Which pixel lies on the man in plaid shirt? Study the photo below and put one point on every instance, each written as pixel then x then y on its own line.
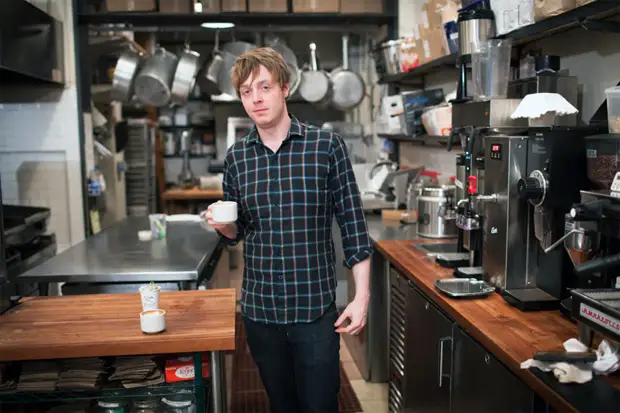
pixel 289 179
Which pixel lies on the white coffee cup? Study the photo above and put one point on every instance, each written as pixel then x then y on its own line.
pixel 153 321
pixel 224 212
pixel 149 294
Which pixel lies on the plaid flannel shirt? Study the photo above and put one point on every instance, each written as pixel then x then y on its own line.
pixel 286 204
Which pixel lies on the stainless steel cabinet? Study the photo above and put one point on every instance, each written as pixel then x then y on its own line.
pixel 398 394
pixel 482 384
pixel 436 367
pixel 429 340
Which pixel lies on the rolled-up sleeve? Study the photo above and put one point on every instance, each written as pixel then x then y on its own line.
pixel 231 193
pixel 348 205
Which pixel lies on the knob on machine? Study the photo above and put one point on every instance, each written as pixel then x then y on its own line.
pixel 533 188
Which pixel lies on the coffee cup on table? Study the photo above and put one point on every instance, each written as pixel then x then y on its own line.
pixel 153 321
pixel 224 212
pixel 149 294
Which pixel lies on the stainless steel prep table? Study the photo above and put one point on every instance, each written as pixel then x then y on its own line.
pixel 116 256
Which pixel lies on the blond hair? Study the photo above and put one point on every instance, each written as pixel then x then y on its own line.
pixel 249 64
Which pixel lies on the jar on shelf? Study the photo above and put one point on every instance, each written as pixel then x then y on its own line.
pixel 178 404
pixel 110 406
pixel 147 405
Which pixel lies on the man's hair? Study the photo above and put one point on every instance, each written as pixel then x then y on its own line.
pixel 249 63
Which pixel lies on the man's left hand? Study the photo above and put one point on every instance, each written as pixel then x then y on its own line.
pixel 356 311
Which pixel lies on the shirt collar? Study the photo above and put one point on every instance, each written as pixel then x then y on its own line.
pixel 296 129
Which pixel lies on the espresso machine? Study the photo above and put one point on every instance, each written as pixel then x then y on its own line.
pixel 532 182
pixel 594 240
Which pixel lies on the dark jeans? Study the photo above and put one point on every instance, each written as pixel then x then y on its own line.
pixel 298 363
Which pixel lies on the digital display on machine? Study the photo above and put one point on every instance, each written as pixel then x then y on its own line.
pixel 496 151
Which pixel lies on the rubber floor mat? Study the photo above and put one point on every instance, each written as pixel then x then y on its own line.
pixel 248 394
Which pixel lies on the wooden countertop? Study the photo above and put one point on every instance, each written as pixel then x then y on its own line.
pixel 511 335
pixel 180 194
pixel 100 325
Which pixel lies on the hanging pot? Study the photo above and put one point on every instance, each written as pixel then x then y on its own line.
pixel 291 62
pixel 348 86
pixel 208 78
pixel 153 83
pixel 127 67
pixel 185 76
pixel 316 86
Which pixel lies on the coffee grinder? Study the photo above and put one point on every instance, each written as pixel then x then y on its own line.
pixel 526 223
pixel 476 25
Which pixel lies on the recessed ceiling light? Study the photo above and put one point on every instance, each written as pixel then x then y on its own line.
pixel 218 25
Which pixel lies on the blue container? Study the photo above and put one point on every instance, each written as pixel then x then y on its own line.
pixel 452 36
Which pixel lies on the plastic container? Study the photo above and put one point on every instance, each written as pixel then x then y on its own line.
pixel 613 109
pixel 603 159
pixel 490 66
pixel 158 225
pixel 437 121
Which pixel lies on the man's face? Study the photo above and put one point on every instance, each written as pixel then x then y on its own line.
pixel 263 98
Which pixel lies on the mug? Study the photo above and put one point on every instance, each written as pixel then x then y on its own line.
pixel 224 212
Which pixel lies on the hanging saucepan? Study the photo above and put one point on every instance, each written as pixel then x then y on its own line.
pixel 348 87
pixel 316 86
pixel 127 67
pixel 185 76
pixel 291 62
pixel 153 83
pixel 208 78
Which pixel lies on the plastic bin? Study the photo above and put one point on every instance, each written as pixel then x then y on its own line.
pixel 613 109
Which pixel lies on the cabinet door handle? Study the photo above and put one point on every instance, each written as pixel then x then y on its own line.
pixel 441 342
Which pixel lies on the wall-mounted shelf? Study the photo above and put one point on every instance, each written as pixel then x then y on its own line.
pixel 414 76
pixel 598 9
pixel 586 16
pixel 422 139
pixel 148 21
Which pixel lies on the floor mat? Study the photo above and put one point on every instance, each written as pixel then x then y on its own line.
pixel 248 394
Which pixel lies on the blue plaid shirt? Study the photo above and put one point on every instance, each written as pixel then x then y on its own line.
pixel 287 201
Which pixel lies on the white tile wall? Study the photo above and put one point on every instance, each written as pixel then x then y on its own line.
pixel 40 161
pixel 40 146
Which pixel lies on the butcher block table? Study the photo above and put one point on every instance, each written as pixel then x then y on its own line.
pixel 108 325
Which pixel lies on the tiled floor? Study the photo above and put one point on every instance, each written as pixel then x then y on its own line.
pixel 372 396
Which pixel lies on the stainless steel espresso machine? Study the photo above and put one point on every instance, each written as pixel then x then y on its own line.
pixel 532 182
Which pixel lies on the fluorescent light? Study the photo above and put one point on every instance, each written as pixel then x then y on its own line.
pixel 218 25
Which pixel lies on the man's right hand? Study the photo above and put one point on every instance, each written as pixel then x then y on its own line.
pixel 228 230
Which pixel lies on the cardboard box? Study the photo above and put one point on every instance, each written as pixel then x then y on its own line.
pixel 410 54
pixel 544 9
pixel 271 6
pixel 130 5
pixel 512 14
pixel 176 6
pixel 435 13
pixel 434 44
pixel 182 368
pixel 234 5
pixel 210 6
pixel 361 6
pixel 316 6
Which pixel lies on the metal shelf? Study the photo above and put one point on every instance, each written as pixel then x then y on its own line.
pixel 413 76
pixel 586 16
pixel 243 21
pixel 422 139
pixel 598 9
pixel 115 393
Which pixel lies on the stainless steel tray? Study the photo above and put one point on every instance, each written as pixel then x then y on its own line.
pixel 464 287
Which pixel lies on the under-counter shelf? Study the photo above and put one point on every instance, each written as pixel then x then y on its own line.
pixel 187 388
